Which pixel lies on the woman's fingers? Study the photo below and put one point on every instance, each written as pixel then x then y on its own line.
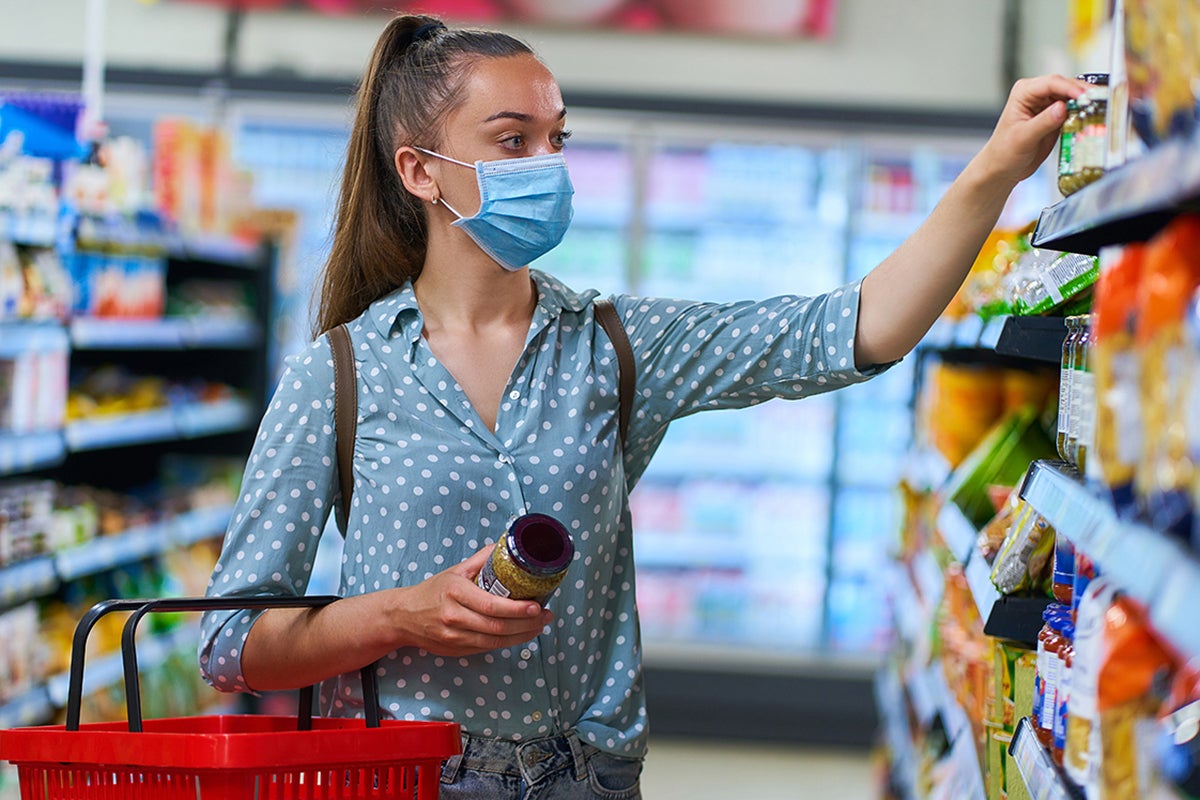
pixel 469 568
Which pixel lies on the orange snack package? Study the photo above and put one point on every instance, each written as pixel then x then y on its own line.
pixel 1171 273
pixel 1118 441
pixel 1132 662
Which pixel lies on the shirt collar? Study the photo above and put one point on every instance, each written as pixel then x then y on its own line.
pixel 398 315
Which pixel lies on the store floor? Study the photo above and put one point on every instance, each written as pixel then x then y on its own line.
pixel 688 769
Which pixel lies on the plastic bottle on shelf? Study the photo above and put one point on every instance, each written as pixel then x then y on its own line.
pixel 1083 396
pixel 1046 682
pixel 1078 378
pixel 1066 378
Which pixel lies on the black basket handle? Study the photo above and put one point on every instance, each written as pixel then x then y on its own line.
pixel 140 608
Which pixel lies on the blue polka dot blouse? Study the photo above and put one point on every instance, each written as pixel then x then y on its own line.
pixel 432 485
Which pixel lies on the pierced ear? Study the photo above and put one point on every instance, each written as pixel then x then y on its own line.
pixel 411 169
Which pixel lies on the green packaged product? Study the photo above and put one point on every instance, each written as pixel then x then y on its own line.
pixel 1000 459
pixel 1043 290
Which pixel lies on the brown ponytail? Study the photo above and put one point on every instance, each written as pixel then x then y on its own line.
pixel 411 82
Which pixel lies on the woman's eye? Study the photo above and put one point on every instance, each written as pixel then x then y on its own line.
pixel 514 142
pixel 561 138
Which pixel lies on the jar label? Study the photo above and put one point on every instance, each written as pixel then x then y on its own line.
pixel 489 582
pixel 1065 148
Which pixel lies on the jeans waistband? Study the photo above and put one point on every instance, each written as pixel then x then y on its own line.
pixel 531 760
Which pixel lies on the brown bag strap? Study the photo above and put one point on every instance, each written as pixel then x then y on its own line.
pixel 345 413
pixel 610 320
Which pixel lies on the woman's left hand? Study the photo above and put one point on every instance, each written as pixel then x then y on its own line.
pixel 1028 127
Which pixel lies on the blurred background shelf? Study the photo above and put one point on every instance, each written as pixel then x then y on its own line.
pixel 33 707
pixel 108 671
pixel 106 552
pixel 26 580
pixel 89 333
pixel 27 452
pixel 186 421
pixel 219 250
pixel 121 430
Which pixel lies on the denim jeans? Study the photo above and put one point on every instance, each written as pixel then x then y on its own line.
pixel 556 768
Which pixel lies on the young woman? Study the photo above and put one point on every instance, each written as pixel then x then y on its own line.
pixel 487 390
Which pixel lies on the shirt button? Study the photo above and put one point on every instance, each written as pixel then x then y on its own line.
pixel 505 458
pixel 514 395
pixel 526 654
pixel 536 716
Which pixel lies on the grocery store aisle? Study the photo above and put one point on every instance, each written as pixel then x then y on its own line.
pixel 678 769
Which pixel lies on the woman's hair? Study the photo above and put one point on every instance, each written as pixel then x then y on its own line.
pixel 413 80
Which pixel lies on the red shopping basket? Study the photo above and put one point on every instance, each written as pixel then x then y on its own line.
pixel 231 757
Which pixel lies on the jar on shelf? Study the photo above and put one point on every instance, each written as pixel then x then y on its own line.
pixel 1083 141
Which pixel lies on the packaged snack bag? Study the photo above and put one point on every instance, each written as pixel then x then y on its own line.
pixel 1079 755
pixel 1045 288
pixel 1164 474
pixel 1118 440
pixel 1024 560
pixel 1131 665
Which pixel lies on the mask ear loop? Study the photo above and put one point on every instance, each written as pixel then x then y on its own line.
pixel 442 200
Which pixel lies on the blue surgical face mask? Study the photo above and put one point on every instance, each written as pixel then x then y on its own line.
pixel 524 208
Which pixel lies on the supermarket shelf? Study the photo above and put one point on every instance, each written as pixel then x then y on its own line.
pixel 199 525
pixel 38 577
pixel 31 708
pixel 979 578
pixel 89 333
pixel 32 230
pixel 18 337
pixel 26 580
pixel 220 333
pixel 1151 567
pixel 889 699
pixel 119 430
pixel 964 778
pixel 107 671
pixel 911 616
pixel 207 419
pixel 186 421
pixel 107 552
pixel 1017 619
pixel 1131 203
pixel 957 532
pixel 1043 779
pixel 30 451
pixel 1035 338
pixel 216 250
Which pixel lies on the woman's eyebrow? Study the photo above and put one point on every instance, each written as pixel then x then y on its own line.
pixel 519 116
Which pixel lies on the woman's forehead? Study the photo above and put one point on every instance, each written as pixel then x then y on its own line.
pixel 510 87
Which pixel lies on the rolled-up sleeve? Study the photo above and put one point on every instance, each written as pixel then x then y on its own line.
pixel 288 488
